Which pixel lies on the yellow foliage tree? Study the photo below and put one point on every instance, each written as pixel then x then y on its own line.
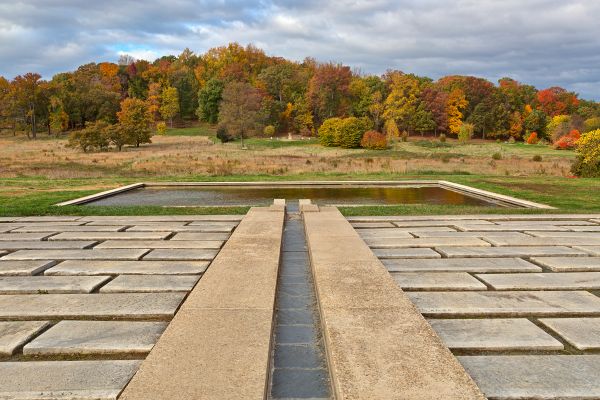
pixel 456 103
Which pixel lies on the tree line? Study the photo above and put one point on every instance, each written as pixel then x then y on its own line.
pixel 248 92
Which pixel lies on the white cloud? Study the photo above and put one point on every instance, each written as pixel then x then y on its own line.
pixel 542 42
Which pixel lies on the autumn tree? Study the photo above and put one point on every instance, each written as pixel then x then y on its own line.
pixel 401 104
pixel 135 120
pixel 556 101
pixel 209 98
pixel 169 107
pixel 454 106
pixel 27 89
pixel 436 102
pixel 328 91
pixel 241 110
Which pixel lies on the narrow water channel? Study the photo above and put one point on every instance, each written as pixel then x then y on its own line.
pixel 298 364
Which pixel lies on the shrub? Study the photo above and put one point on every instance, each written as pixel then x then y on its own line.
pixel 351 132
pixel 533 138
pixel 223 135
pixel 91 138
pixel 465 133
pixel 511 140
pixel 558 126
pixel 443 138
pixel 161 128
pixel 569 141
pixel 591 124
pixel 587 164
pixel 537 158
pixel 269 130
pixel 328 132
pixel 497 156
pixel 374 140
pixel 404 136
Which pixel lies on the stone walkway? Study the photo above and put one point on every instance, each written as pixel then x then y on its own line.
pixel 516 298
pixel 84 299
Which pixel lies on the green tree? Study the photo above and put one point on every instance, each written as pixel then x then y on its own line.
pixel 135 119
pixel 169 107
pixel 92 138
pixel 241 110
pixel 536 121
pixel 423 120
pixel 209 98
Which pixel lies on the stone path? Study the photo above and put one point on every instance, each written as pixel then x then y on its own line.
pixel 102 288
pixel 517 298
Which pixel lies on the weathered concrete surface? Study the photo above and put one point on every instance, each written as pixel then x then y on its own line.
pixel 70 306
pixel 493 334
pixel 180 254
pixel 582 333
pixel 50 284
pixel 438 234
pixel 218 344
pixel 200 236
pixel 569 264
pixel 14 334
pixel 21 268
pixel 462 265
pixel 160 244
pixel 68 228
pixel 406 253
pixel 520 303
pixel 370 225
pixel 437 281
pixel 5 237
pixel 84 267
pixel 379 346
pixel 544 241
pixel 593 250
pixel 46 245
pixel 384 233
pixel 150 283
pixel 110 235
pixel 507 228
pixel 100 254
pixel 65 380
pixel 526 251
pixel 386 243
pixel 545 377
pixel 543 281
pixel 97 337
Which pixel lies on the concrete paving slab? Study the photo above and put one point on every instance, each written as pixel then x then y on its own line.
pixel 7 219
pixel 97 338
pixel 590 228
pixel 100 254
pixel 508 228
pixel 593 250
pixel 5 228
pixel 200 236
pixel 462 265
pixel 49 218
pixel 417 253
pixel 565 234
pixel 15 237
pixel 23 268
pixel 78 306
pixel 151 283
pixel 541 377
pixel 488 217
pixel 387 243
pixel 374 336
pixel 550 222
pixel 65 380
pixel 3 252
pixel 500 334
pixel 509 251
pixel 73 228
pixel 437 281
pixel 543 281
pixel 406 224
pixel 519 303
pixel 371 225
pixel 50 284
pixel 14 334
pixel 49 224
pixel 569 264
pixel 544 241
pixel 73 267
pixel 160 244
pixel 384 233
pixel 581 333
pixel 181 254
pixel 164 218
pixel 110 236
pixel 46 245
pixel 150 226
pixel 436 234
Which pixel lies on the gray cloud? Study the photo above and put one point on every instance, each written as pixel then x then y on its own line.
pixel 542 42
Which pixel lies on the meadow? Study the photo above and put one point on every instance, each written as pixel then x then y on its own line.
pixel 35 174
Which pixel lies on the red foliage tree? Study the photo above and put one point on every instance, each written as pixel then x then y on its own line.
pixel 556 101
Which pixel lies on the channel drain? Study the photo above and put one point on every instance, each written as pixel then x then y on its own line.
pixel 298 364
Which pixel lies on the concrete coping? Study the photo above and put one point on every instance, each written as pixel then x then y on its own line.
pixel 218 344
pixel 378 344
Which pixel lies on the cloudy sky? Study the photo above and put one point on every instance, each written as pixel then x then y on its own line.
pixel 541 42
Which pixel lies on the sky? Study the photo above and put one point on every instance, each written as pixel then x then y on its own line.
pixel 540 42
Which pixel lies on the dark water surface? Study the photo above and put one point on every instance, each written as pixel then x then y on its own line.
pixel 245 195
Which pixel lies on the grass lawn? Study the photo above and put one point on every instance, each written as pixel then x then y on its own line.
pixel 34 175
